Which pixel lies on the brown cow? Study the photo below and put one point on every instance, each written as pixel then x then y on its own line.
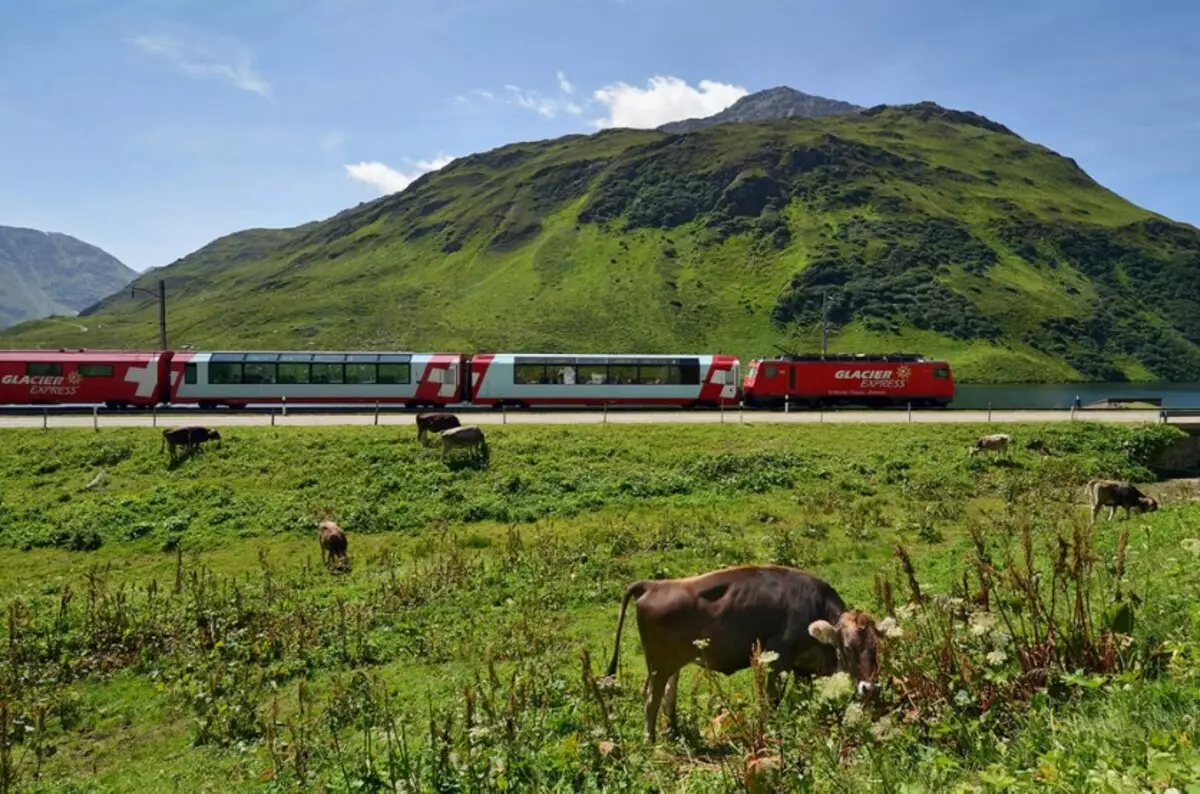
pixel 435 422
pixel 1113 494
pixel 190 437
pixel 469 436
pixel 997 442
pixel 716 618
pixel 333 542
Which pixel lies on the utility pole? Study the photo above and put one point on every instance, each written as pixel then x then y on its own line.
pixel 824 336
pixel 162 309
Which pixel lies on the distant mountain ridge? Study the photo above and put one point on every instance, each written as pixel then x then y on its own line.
pixel 780 102
pixel 46 273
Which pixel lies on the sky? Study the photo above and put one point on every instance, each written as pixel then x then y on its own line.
pixel 151 127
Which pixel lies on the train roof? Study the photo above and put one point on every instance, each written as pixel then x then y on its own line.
pixel 42 355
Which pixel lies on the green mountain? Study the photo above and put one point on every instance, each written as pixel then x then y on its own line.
pixel 929 229
pixel 45 273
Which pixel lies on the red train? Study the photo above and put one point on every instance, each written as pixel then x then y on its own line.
pixel 238 378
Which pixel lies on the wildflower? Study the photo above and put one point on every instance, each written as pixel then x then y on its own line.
pixel 767 657
pixel 982 623
pixel 834 686
pixel 1001 638
pixel 890 627
pixel 997 658
pixel 1191 544
pixel 906 612
pixel 962 698
pixel 854 716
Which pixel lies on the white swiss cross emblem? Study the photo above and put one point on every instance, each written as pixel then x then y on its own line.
pixel 145 377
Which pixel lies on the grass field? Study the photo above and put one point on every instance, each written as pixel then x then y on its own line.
pixel 170 628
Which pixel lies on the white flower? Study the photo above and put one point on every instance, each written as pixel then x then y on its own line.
pixel 766 658
pixel 982 623
pixel 907 612
pixel 834 686
pixel 1001 638
pixel 854 716
pixel 997 658
pixel 1191 544
pixel 890 627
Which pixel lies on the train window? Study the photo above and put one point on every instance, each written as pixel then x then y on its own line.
pixel 295 358
pixel 43 369
pixel 655 374
pixel 530 373
pixel 224 373
pixel 227 358
pixel 562 373
pixel 327 373
pixel 770 371
pixel 292 372
pixel 362 358
pixel 360 373
pixel 689 372
pixel 395 373
pixel 255 372
pixel 189 373
pixel 623 374
pixel 262 358
pixel 592 374
pixel 941 372
pixel 95 370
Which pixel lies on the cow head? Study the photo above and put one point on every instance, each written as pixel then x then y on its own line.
pixel 1147 504
pixel 215 435
pixel 855 637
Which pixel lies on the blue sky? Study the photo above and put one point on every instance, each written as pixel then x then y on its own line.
pixel 150 127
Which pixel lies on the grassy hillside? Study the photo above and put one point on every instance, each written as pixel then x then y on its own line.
pixel 43 273
pixel 931 229
pixel 192 641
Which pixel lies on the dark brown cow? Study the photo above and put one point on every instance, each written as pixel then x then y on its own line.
pixel 435 422
pixel 333 542
pixel 785 610
pixel 1113 494
pixel 190 437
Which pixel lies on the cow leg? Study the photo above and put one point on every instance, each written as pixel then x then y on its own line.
pixel 1095 511
pixel 656 685
pixel 670 696
pixel 1112 511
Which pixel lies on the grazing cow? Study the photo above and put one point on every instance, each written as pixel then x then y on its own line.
pixel 435 422
pixel 997 442
pixel 716 618
pixel 469 436
pixel 1113 494
pixel 190 437
pixel 333 542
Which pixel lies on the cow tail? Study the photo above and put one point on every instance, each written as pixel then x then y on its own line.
pixel 635 590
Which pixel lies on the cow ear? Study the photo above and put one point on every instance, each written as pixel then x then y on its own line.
pixel 823 631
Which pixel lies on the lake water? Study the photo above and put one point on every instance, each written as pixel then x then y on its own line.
pixel 1052 396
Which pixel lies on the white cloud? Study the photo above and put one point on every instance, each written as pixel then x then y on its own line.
pixel 386 180
pixel 222 59
pixel 664 99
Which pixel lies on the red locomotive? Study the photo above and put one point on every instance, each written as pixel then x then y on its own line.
pixel 877 381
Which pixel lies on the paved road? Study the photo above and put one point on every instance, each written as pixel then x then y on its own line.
pixel 220 419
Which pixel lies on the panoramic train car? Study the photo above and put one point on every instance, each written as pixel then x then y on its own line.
pixel 115 378
pixel 235 379
pixel 846 379
pixel 507 379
